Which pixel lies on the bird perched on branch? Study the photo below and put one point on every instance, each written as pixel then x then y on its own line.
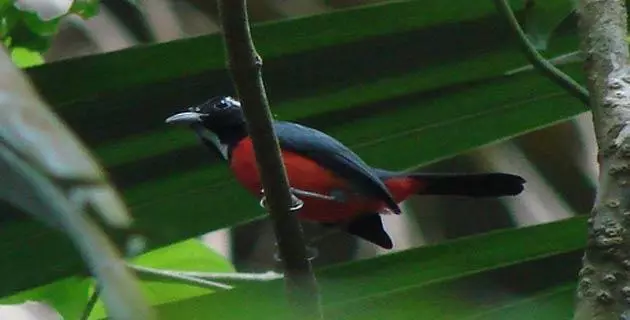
pixel 337 187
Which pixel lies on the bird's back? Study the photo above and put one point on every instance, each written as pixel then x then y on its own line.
pixel 334 156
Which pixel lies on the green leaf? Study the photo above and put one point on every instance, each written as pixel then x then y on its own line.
pixel 67 296
pixel 85 8
pixel 40 27
pixel 189 255
pixel 431 102
pixel 206 53
pixel 555 303
pixel 9 16
pixel 33 25
pixel 421 283
pixel 25 30
pixel 24 58
pixel 21 36
pixel 543 17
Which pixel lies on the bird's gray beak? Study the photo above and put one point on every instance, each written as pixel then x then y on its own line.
pixel 184 118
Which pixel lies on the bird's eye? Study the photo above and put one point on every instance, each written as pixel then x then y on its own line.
pixel 222 105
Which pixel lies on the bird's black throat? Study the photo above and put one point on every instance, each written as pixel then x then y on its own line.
pixel 231 135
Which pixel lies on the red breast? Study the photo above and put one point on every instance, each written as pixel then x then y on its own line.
pixel 307 175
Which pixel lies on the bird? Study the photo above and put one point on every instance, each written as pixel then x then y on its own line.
pixel 337 187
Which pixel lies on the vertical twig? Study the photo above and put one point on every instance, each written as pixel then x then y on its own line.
pixel 245 67
pixel 536 59
pixel 604 285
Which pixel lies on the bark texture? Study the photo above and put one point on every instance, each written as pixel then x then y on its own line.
pixel 245 67
pixel 604 280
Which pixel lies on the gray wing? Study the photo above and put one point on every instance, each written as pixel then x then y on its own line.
pixel 334 156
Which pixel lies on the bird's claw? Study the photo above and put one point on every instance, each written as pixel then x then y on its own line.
pixel 298 203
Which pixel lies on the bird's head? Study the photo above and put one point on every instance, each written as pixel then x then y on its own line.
pixel 216 115
pixel 218 121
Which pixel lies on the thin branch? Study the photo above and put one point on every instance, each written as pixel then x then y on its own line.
pixel 575 56
pixel 245 68
pixel 604 286
pixel 178 276
pixel 232 276
pixel 536 59
pixel 193 278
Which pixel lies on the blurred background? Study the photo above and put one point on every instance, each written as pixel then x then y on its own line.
pixel 558 162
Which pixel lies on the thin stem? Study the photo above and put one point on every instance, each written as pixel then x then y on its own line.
pixel 536 59
pixel 245 68
pixel 235 276
pixel 177 276
pixel 89 306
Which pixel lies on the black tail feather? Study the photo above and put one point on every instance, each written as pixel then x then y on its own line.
pixel 368 226
pixel 471 185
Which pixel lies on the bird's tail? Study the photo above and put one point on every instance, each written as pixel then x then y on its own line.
pixel 471 185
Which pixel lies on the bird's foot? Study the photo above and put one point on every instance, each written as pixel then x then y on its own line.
pixel 335 195
pixel 296 203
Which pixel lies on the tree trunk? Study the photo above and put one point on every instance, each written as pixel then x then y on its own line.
pixel 604 285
